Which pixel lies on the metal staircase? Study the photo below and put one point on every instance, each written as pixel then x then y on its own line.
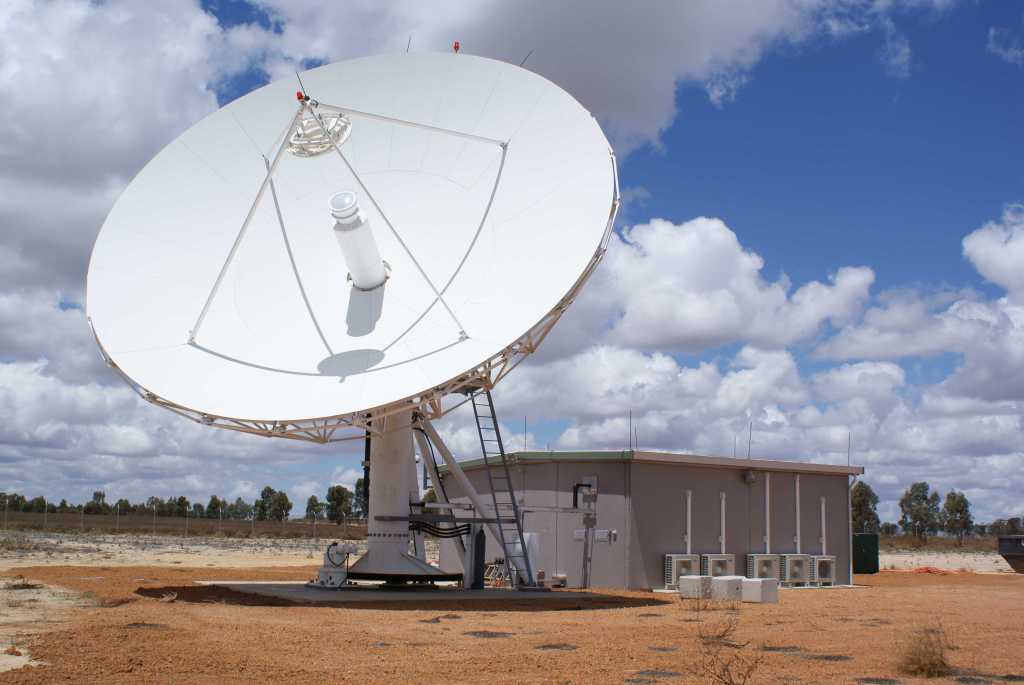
pixel 506 508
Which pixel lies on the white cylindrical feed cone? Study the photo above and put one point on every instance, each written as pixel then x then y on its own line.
pixel 358 246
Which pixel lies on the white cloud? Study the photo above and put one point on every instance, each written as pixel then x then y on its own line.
pixel 987 335
pixel 88 93
pixel 35 327
pixel 997 251
pixel 346 476
pixel 874 380
pixel 300 492
pixel 907 323
pixel 896 52
pixel 1006 45
pixel 692 286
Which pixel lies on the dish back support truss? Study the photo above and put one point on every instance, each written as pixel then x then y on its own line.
pixel 430 403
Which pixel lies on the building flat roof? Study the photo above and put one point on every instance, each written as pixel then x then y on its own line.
pixel 643 456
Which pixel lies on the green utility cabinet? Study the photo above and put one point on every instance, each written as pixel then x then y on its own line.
pixel 865 552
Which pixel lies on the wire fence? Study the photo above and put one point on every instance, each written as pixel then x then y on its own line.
pixel 149 524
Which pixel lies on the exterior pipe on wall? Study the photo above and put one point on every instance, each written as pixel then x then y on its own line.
pixel 849 521
pixel 689 529
pixel 767 513
pixel 797 513
pixel 824 545
pixel 721 537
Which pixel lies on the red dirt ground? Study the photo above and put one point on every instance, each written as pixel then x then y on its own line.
pixel 209 635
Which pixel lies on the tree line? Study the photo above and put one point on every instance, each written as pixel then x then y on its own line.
pixel 339 504
pixel 924 512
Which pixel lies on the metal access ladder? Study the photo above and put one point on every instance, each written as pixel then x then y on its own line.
pixel 510 528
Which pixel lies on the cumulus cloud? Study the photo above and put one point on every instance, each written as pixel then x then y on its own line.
pixel 692 286
pixel 997 251
pixel 987 335
pixel 39 325
pixel 907 322
pixel 90 92
pixel 344 475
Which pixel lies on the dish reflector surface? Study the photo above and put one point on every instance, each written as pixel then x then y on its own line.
pixel 498 196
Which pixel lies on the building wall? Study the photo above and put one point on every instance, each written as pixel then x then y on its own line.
pixel 658 505
pixel 639 516
pixel 600 552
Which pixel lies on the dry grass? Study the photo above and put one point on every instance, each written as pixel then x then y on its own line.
pixel 16 543
pixel 721 658
pixel 174 526
pixel 19 583
pixel 924 654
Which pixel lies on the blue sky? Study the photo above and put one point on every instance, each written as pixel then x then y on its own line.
pixel 849 145
pixel 823 159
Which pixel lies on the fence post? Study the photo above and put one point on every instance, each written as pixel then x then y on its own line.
pixel 44 513
pixel 82 522
pixel 154 519
pixel 117 517
pixel 5 512
pixel 186 521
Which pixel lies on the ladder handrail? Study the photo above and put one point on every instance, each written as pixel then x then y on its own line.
pixel 516 514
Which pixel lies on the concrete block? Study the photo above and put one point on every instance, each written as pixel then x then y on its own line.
pixel 763 590
pixel 695 587
pixel 727 588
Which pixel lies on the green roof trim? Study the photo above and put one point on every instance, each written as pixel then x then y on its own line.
pixel 533 456
pixel 580 455
pixel 613 456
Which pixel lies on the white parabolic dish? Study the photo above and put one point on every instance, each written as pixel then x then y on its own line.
pixel 501 186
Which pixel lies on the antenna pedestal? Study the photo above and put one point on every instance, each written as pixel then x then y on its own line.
pixel 392 487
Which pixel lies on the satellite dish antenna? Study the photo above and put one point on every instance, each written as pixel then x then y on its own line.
pixel 355 258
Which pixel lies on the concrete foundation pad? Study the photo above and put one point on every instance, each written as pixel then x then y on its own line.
pixel 727 588
pixel 761 590
pixel 369 592
pixel 694 587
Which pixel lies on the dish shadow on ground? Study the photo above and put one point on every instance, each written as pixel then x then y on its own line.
pixel 207 594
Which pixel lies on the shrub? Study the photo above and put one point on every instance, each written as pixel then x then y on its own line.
pixel 924 654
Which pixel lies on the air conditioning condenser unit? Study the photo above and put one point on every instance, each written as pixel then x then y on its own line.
pixel 718 564
pixel 680 565
pixel 823 571
pixel 763 566
pixel 795 569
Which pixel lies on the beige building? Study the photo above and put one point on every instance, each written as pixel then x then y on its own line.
pixel 633 507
